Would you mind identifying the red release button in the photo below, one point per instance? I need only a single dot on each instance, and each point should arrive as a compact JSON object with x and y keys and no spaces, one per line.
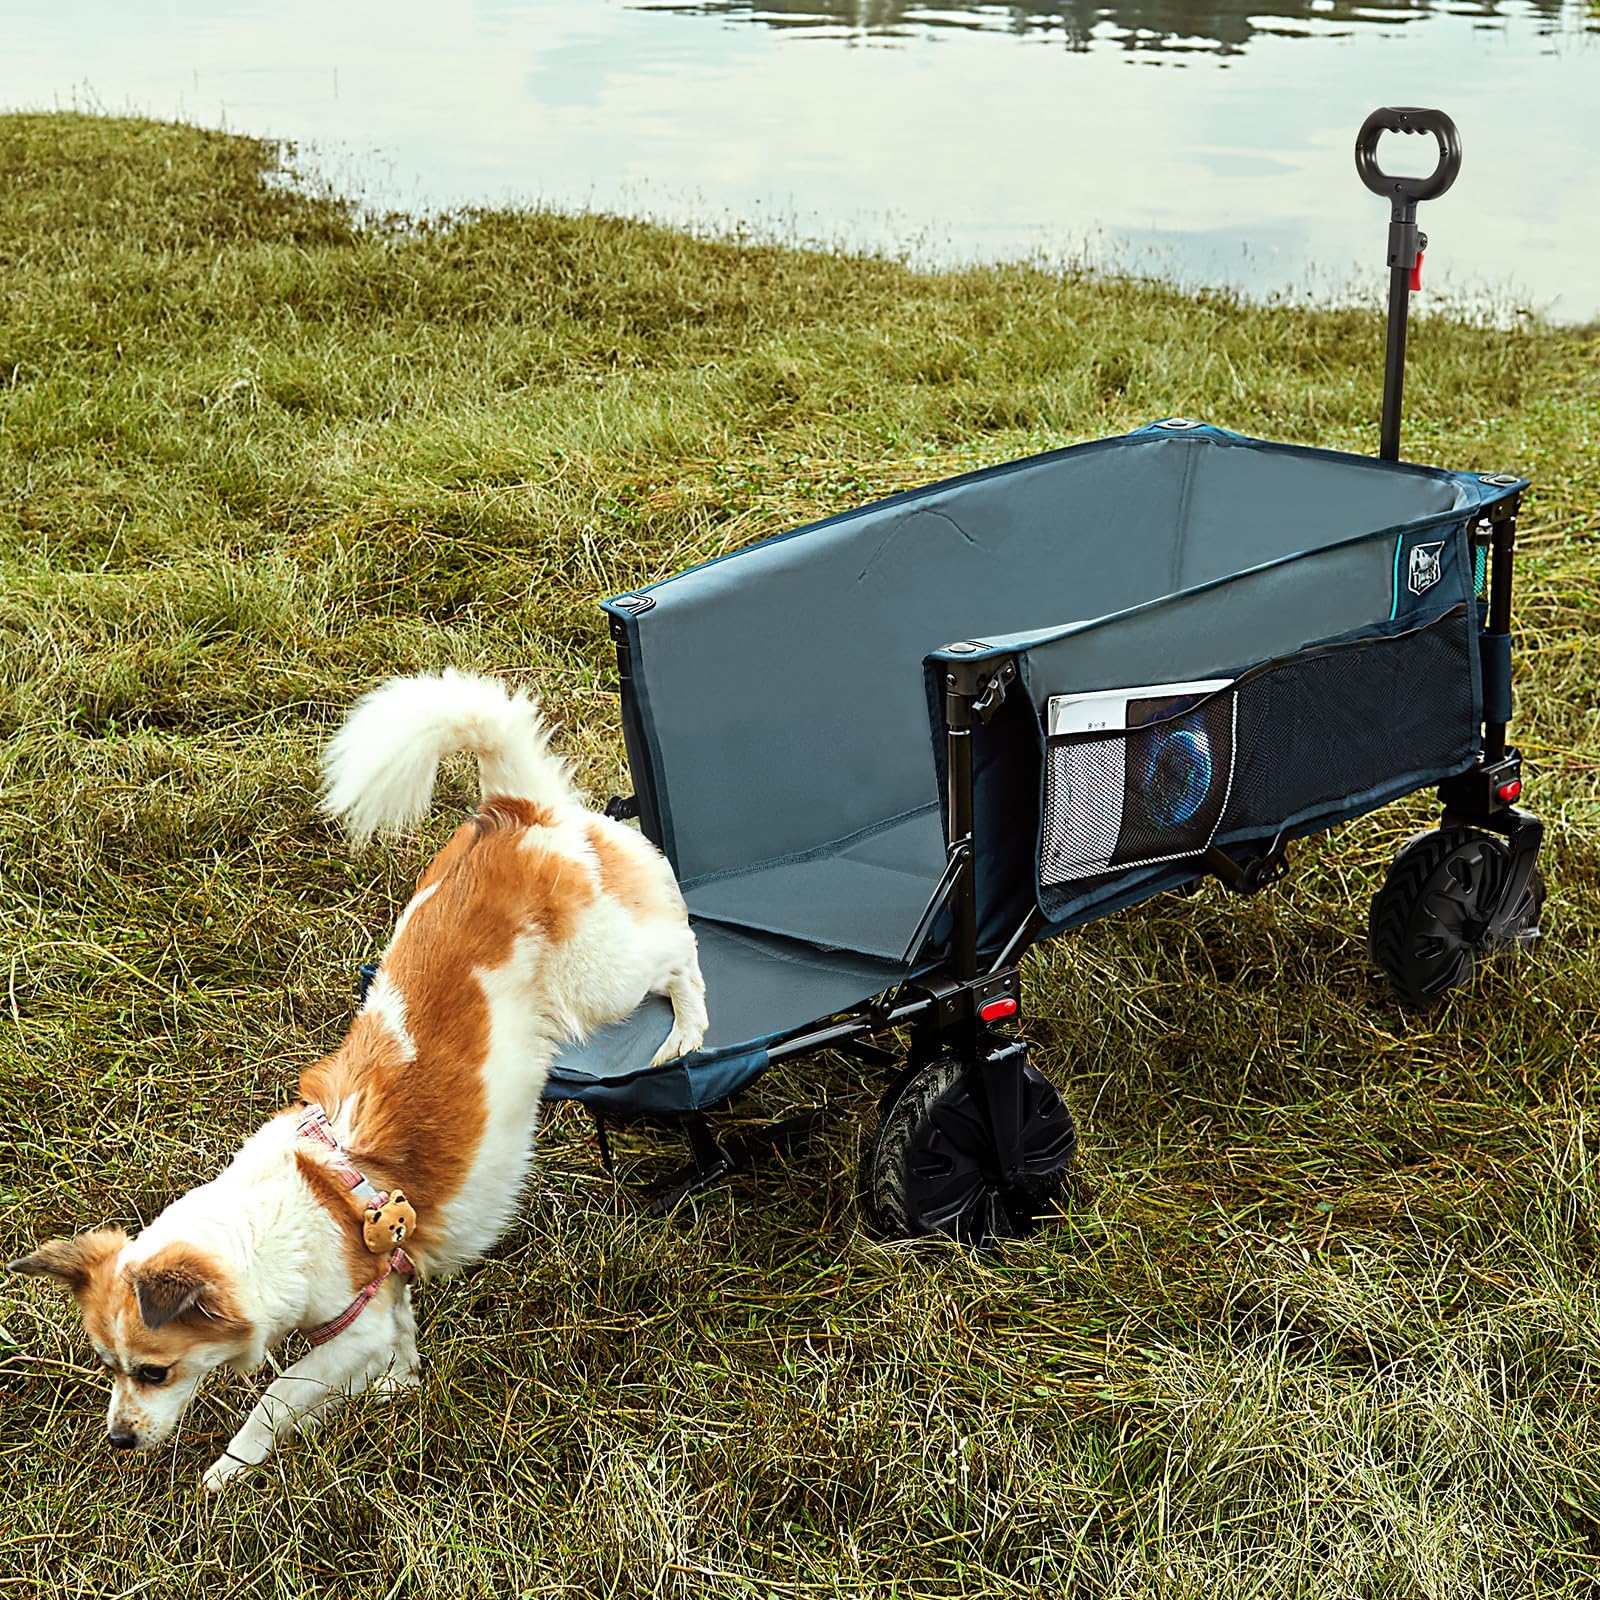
{"x":1510,"y":791}
{"x":1005,"y":1006}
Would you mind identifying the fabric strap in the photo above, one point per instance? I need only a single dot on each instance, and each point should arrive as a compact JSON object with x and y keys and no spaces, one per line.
{"x":314,"y":1126}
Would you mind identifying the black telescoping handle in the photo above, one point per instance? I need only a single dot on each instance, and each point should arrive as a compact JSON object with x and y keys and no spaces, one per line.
{"x":1400,"y":191}
{"x":1405,"y":242}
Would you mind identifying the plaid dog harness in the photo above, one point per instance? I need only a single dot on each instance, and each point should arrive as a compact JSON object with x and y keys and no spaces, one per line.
{"x":314,"y":1126}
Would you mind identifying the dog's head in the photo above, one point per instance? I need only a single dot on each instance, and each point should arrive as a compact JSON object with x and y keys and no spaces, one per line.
{"x":159,"y":1321}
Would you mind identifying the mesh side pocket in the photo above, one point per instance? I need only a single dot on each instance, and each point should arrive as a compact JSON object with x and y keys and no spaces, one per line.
{"x":1356,"y":721}
{"x":1318,"y":728}
{"x":1137,"y":795}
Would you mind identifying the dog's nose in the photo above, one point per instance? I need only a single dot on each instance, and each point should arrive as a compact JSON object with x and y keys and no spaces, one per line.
{"x":122,"y":1437}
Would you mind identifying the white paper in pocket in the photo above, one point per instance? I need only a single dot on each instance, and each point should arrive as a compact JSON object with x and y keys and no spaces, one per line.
{"x":1109,"y":710}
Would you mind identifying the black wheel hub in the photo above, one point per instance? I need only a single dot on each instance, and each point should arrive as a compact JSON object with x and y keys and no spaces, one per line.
{"x":956,"y":1180}
{"x":1459,"y":902}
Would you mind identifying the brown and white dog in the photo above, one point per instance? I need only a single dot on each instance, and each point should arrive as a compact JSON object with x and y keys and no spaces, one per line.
{"x":536,"y":924}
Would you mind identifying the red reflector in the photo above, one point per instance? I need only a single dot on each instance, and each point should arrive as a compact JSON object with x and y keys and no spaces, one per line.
{"x":1510,"y":791}
{"x":1005,"y":1006}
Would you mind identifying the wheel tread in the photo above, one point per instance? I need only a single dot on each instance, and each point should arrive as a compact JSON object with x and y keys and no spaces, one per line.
{"x":1391,"y":936}
{"x":916,"y":1101}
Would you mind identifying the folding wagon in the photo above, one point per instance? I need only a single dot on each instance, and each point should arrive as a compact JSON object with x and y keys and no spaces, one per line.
{"x":888,"y":752}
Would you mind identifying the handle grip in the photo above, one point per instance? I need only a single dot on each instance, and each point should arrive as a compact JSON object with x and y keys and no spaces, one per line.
{"x":1408,"y":119}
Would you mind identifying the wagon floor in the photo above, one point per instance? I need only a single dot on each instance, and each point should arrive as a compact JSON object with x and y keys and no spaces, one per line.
{"x":865,"y":894}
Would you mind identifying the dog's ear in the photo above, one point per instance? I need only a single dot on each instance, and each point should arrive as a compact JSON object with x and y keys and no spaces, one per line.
{"x":170,"y":1283}
{"x":73,"y":1261}
{"x":182,"y":1282}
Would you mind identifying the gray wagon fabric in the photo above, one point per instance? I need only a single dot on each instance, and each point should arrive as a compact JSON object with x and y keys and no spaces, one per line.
{"x":782,"y":686}
{"x":780,"y":701}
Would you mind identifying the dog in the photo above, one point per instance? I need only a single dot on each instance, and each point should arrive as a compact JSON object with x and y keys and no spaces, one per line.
{"x":539,"y":922}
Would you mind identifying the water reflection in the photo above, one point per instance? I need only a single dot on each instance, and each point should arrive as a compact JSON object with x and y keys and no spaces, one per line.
{"x":942,"y":132}
{"x":1162,"y":30}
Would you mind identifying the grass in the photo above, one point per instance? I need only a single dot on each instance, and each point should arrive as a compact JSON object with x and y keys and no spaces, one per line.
{"x":1321,"y":1318}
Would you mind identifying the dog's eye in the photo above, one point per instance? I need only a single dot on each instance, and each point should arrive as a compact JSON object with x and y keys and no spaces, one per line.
{"x":151,"y":1375}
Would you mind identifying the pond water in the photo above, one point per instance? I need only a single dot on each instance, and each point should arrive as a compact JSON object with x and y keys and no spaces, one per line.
{"x":1205,"y":140}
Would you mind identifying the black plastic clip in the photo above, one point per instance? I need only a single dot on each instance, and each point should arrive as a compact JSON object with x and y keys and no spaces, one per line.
{"x":1247,"y":877}
{"x":622,"y":810}
{"x":1484,"y":791}
{"x":994,"y":693}
{"x":603,"y":1140}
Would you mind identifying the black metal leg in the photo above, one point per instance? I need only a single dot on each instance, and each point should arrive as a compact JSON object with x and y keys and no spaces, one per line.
{"x":1485,"y":795}
{"x":711,"y":1159}
{"x":1504,"y":540}
{"x":1003,"y":1061}
{"x":603,"y":1139}
{"x":963,"y":896}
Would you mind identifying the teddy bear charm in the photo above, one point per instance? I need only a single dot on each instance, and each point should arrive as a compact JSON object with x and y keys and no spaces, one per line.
{"x":389,"y":1221}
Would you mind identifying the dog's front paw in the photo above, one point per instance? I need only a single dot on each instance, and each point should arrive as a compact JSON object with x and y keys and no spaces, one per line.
{"x":677,"y":1044}
{"x":401,"y":1378}
{"x":223,"y":1471}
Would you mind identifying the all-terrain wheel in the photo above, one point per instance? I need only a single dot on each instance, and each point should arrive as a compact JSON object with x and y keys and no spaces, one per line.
{"x":932,"y":1165}
{"x":1435,"y":918}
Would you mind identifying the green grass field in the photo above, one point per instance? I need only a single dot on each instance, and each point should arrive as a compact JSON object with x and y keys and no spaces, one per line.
{"x":1323,"y":1315}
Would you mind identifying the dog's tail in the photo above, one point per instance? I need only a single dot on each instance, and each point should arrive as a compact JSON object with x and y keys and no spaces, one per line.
{"x":378,"y":771}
